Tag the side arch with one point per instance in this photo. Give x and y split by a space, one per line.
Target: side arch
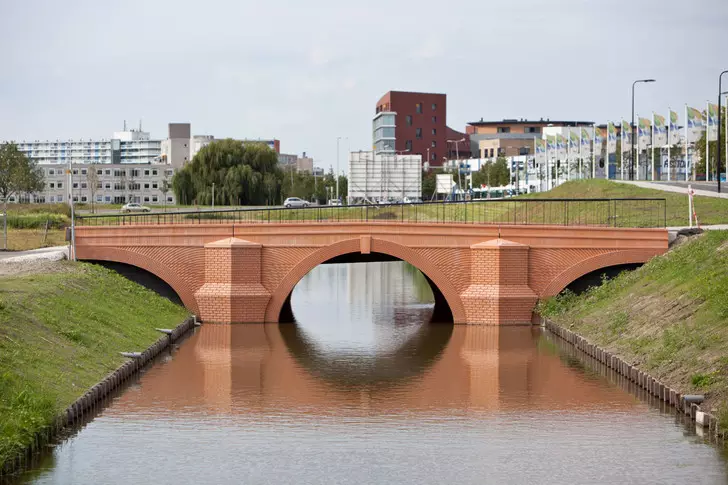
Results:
586 266
285 287
117 255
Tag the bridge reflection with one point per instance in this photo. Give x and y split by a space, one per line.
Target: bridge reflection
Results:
244 369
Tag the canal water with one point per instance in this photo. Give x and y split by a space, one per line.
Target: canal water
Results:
362 389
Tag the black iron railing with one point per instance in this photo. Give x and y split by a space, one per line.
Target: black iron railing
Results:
640 212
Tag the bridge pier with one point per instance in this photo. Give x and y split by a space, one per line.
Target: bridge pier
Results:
233 292
499 293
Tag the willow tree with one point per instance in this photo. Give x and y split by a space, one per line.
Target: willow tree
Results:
241 174
18 174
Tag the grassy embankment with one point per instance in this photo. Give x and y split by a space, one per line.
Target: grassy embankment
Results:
670 317
61 332
710 210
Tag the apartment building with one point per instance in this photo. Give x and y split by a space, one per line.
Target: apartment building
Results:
128 167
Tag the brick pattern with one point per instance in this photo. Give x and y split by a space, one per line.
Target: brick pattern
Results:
232 292
499 293
487 274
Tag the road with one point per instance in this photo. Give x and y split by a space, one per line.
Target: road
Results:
706 189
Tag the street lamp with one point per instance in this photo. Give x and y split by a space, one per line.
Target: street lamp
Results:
634 137
720 93
338 138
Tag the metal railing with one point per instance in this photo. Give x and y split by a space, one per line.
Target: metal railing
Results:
640 212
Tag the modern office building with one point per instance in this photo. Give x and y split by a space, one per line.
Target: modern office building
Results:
414 123
513 137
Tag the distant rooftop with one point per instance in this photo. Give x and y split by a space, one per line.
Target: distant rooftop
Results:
544 122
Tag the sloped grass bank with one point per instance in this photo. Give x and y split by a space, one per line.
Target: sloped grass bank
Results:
61 332
669 318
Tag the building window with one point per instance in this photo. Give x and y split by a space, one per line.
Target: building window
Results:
146 199
154 172
146 186
532 129
434 144
108 186
60 185
418 133
75 171
169 199
53 186
434 131
51 171
108 172
433 156
409 120
83 198
434 106
491 153
504 129
99 185
83 185
418 107
408 145
155 199
135 173
99 172
146 173
83 171
75 185
154 186
107 198
523 151
434 119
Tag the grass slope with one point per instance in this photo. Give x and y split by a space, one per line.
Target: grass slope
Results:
710 210
60 333
670 317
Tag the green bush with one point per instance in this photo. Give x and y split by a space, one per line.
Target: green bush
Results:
38 220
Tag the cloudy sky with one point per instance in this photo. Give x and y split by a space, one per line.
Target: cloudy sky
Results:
306 72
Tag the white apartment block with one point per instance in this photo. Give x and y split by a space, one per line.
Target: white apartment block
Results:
128 167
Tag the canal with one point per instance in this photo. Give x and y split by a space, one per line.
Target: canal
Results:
363 389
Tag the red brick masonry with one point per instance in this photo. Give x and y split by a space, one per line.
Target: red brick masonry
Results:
488 274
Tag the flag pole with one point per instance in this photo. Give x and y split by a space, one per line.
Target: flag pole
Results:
594 151
652 158
707 141
669 135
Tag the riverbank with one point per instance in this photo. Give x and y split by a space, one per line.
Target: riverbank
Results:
669 318
62 326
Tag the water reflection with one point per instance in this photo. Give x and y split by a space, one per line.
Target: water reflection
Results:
363 389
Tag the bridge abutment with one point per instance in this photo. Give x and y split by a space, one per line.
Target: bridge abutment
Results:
233 292
499 293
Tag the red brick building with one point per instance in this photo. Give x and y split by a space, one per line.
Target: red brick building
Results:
416 123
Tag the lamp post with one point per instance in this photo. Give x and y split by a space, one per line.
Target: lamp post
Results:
457 157
634 129
720 148
338 138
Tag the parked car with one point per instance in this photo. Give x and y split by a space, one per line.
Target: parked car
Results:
134 207
295 202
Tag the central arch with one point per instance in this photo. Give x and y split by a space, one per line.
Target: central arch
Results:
431 272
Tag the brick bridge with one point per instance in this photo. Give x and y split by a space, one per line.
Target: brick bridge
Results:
480 273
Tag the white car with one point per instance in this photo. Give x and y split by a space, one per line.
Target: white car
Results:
134 207
294 202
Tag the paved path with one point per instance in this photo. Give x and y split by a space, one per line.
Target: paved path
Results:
53 253
707 189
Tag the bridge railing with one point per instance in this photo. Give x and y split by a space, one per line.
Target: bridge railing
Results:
639 212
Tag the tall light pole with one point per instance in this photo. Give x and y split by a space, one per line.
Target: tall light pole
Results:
338 138
720 148
634 129
457 156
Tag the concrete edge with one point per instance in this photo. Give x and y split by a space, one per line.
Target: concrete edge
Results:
654 387
75 412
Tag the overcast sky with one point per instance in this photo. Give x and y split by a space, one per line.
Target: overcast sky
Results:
306 72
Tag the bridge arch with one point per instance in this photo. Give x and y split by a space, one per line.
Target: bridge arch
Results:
586 266
434 275
163 272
